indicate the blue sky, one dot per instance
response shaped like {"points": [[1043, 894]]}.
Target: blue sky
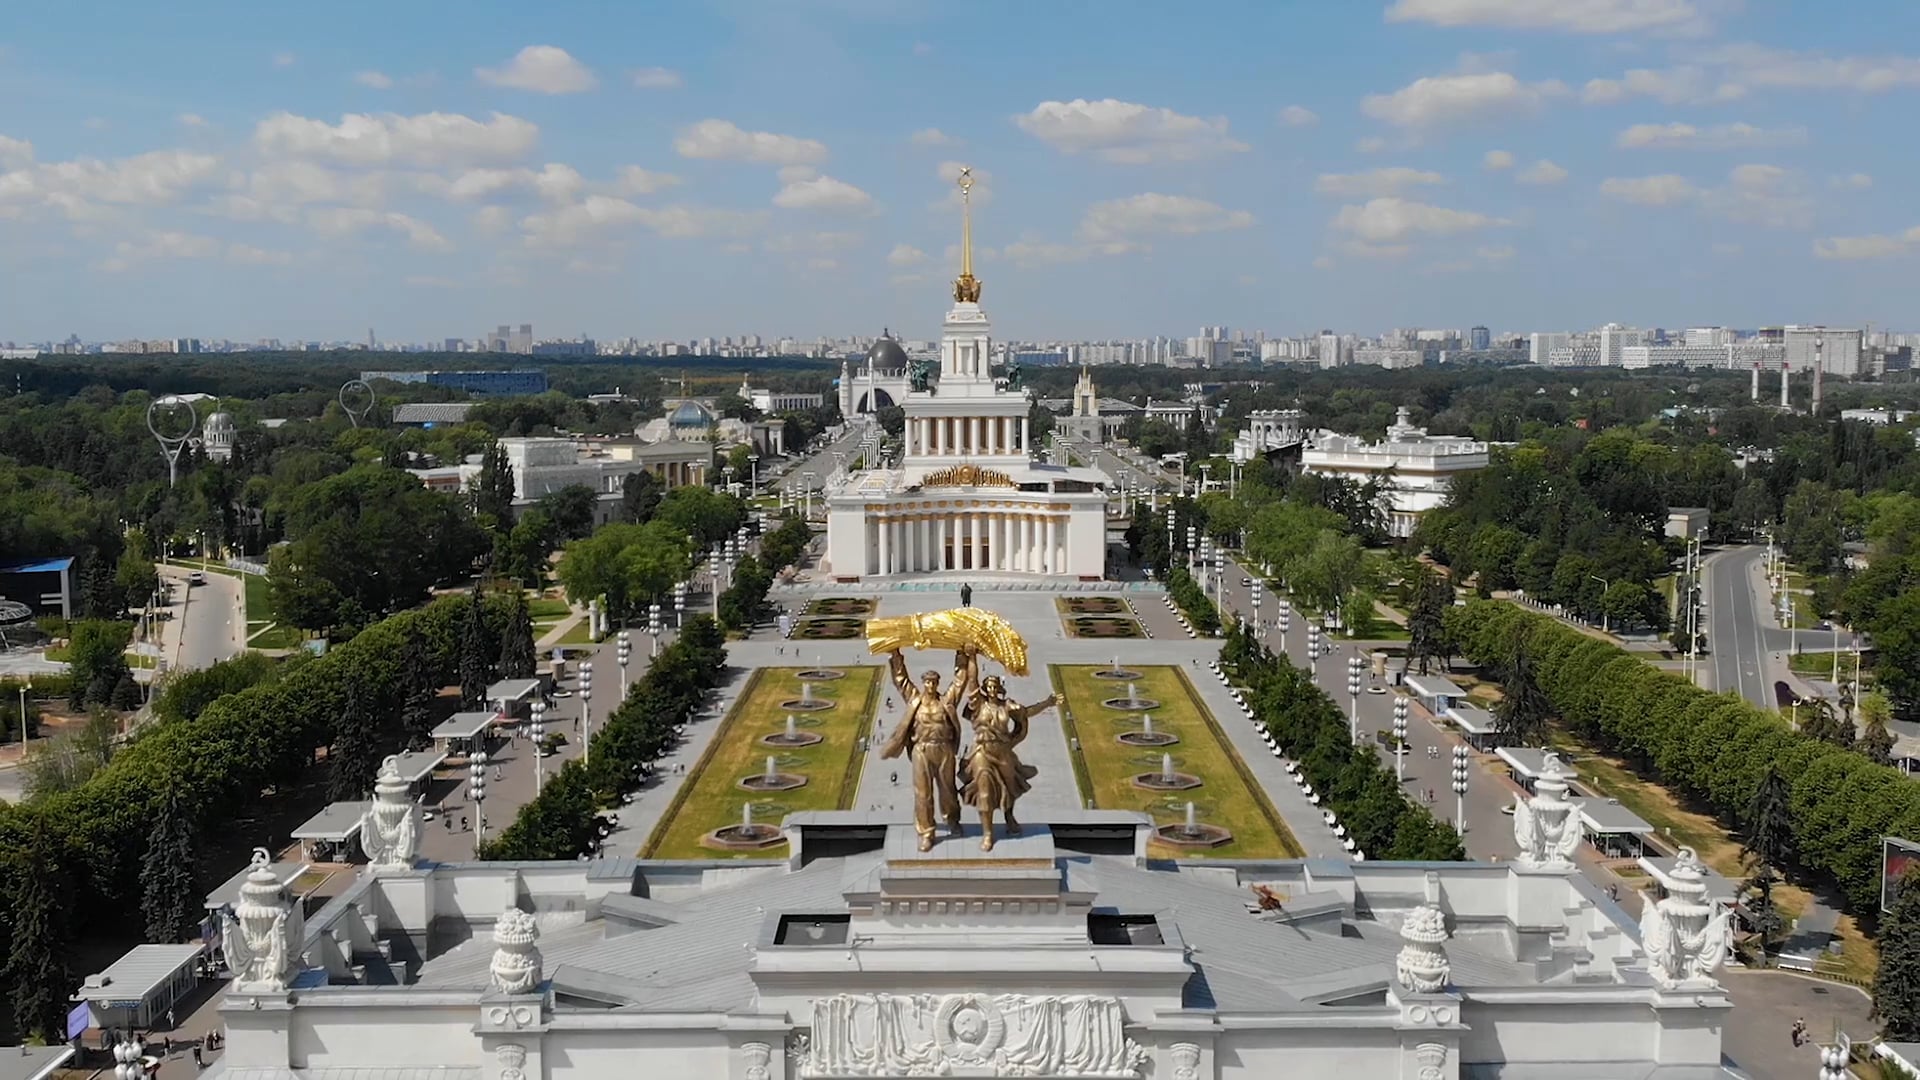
{"points": [[673, 170]]}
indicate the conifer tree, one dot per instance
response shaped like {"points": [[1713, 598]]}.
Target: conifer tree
{"points": [[516, 645], [36, 971], [166, 873], [1896, 986], [477, 653]]}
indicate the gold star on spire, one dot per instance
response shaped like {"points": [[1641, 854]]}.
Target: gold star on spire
{"points": [[966, 287]]}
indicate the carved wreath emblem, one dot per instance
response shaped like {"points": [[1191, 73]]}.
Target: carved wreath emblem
{"points": [[969, 1027]]}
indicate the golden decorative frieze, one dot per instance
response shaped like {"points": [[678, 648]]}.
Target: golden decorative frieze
{"points": [[967, 475]]}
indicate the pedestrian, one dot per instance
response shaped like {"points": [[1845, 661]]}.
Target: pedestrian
{"points": [[166, 1044], [170, 1021], [448, 822], [199, 1058], [463, 823]]}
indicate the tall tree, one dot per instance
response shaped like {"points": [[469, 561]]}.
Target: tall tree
{"points": [[420, 685], [1767, 847], [1524, 709], [1426, 634], [1875, 740], [640, 495], [1820, 720], [516, 644], [36, 969], [356, 744], [1896, 985], [493, 489], [477, 652], [167, 896]]}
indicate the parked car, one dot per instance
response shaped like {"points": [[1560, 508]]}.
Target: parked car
{"points": [[196, 578]]}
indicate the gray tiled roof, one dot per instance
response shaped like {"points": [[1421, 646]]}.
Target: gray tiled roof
{"points": [[432, 412], [31, 1062], [144, 969]]}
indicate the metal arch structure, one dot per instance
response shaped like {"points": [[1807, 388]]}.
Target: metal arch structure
{"points": [[350, 393], [12, 613], [171, 442]]}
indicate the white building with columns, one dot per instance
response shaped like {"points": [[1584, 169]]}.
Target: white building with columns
{"points": [[967, 496], [1065, 952], [1419, 466]]}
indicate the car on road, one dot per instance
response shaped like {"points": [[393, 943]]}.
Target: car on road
{"points": [[196, 578], [1246, 583], [1376, 688], [561, 692]]}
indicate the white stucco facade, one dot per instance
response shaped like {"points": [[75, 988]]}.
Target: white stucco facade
{"points": [[1065, 952], [967, 496], [1422, 466]]}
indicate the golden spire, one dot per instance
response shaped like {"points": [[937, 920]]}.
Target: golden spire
{"points": [[966, 287]]}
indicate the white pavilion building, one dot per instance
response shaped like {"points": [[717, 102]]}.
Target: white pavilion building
{"points": [[967, 495]]}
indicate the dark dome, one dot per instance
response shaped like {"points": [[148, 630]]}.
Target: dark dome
{"points": [[887, 355]]}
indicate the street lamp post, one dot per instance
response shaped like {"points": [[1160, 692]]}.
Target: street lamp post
{"points": [[538, 729], [1354, 667], [1400, 738], [679, 604], [1193, 540], [477, 791], [586, 710], [1257, 628], [653, 628], [753, 469], [24, 687], [1313, 652], [1286, 622], [1460, 773], [1604, 586], [623, 652]]}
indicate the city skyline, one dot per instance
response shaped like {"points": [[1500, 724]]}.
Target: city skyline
{"points": [[1416, 163]]}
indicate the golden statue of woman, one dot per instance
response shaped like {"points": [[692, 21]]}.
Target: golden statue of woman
{"points": [[992, 777]]}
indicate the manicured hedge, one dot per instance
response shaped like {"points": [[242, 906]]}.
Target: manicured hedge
{"points": [[1193, 600], [1711, 748], [1352, 781]]}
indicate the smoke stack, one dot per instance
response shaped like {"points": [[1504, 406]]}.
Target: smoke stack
{"points": [[1819, 367], [1754, 393], [1785, 370]]}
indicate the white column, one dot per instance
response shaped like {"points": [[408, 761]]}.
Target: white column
{"points": [[942, 534], [997, 557], [1026, 445], [974, 535], [976, 435], [1028, 561], [933, 433], [885, 529], [1053, 549]]}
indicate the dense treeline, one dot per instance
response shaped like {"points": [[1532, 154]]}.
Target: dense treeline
{"points": [[83, 848], [1710, 748], [562, 822], [1351, 779]]}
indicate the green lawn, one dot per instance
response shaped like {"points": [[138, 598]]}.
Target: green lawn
{"points": [[580, 634], [551, 608], [1104, 767], [278, 636], [60, 655], [710, 798]]}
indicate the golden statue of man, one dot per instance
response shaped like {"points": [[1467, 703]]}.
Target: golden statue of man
{"points": [[992, 778], [929, 734]]}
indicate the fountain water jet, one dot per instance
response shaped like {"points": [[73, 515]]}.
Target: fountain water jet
{"points": [[773, 779], [792, 736], [1191, 832], [747, 836], [1166, 778]]}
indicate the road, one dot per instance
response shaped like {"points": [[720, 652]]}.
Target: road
{"points": [[210, 620], [1746, 646]]}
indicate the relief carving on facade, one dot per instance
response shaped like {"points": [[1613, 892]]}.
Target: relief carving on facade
{"points": [[759, 1058], [1186, 1061], [975, 1035], [513, 1061], [1432, 1059]]}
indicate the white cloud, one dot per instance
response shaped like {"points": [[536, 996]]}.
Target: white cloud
{"points": [[1360, 249], [1663, 190], [1571, 16], [1856, 182], [351, 221], [1374, 182], [1499, 253], [634, 180], [1762, 195], [721, 140], [905, 255], [1390, 220], [1298, 116], [655, 78], [276, 190], [1859, 247], [1541, 172], [492, 219], [813, 243], [433, 140], [554, 182], [543, 69], [1441, 100], [15, 153], [931, 137], [1749, 65], [163, 245], [249, 255], [191, 120], [1497, 159], [1372, 144], [1125, 132], [373, 80], [1684, 85], [594, 218], [1118, 219], [156, 178], [822, 193], [283, 59], [793, 174], [1678, 136], [1322, 263]]}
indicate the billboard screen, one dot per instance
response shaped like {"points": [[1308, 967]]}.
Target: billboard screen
{"points": [[1896, 857]]}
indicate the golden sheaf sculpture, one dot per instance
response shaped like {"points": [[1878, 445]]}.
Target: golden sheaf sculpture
{"points": [[967, 475], [954, 628]]}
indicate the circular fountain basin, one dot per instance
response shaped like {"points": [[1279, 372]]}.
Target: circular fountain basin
{"points": [[1122, 674], [743, 837], [1147, 738], [819, 674], [780, 781], [1160, 780], [1198, 835], [798, 738], [806, 705], [1131, 704]]}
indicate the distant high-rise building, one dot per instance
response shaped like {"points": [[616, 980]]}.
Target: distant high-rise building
{"points": [[1330, 355], [1838, 350], [1479, 338], [1613, 338]]}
